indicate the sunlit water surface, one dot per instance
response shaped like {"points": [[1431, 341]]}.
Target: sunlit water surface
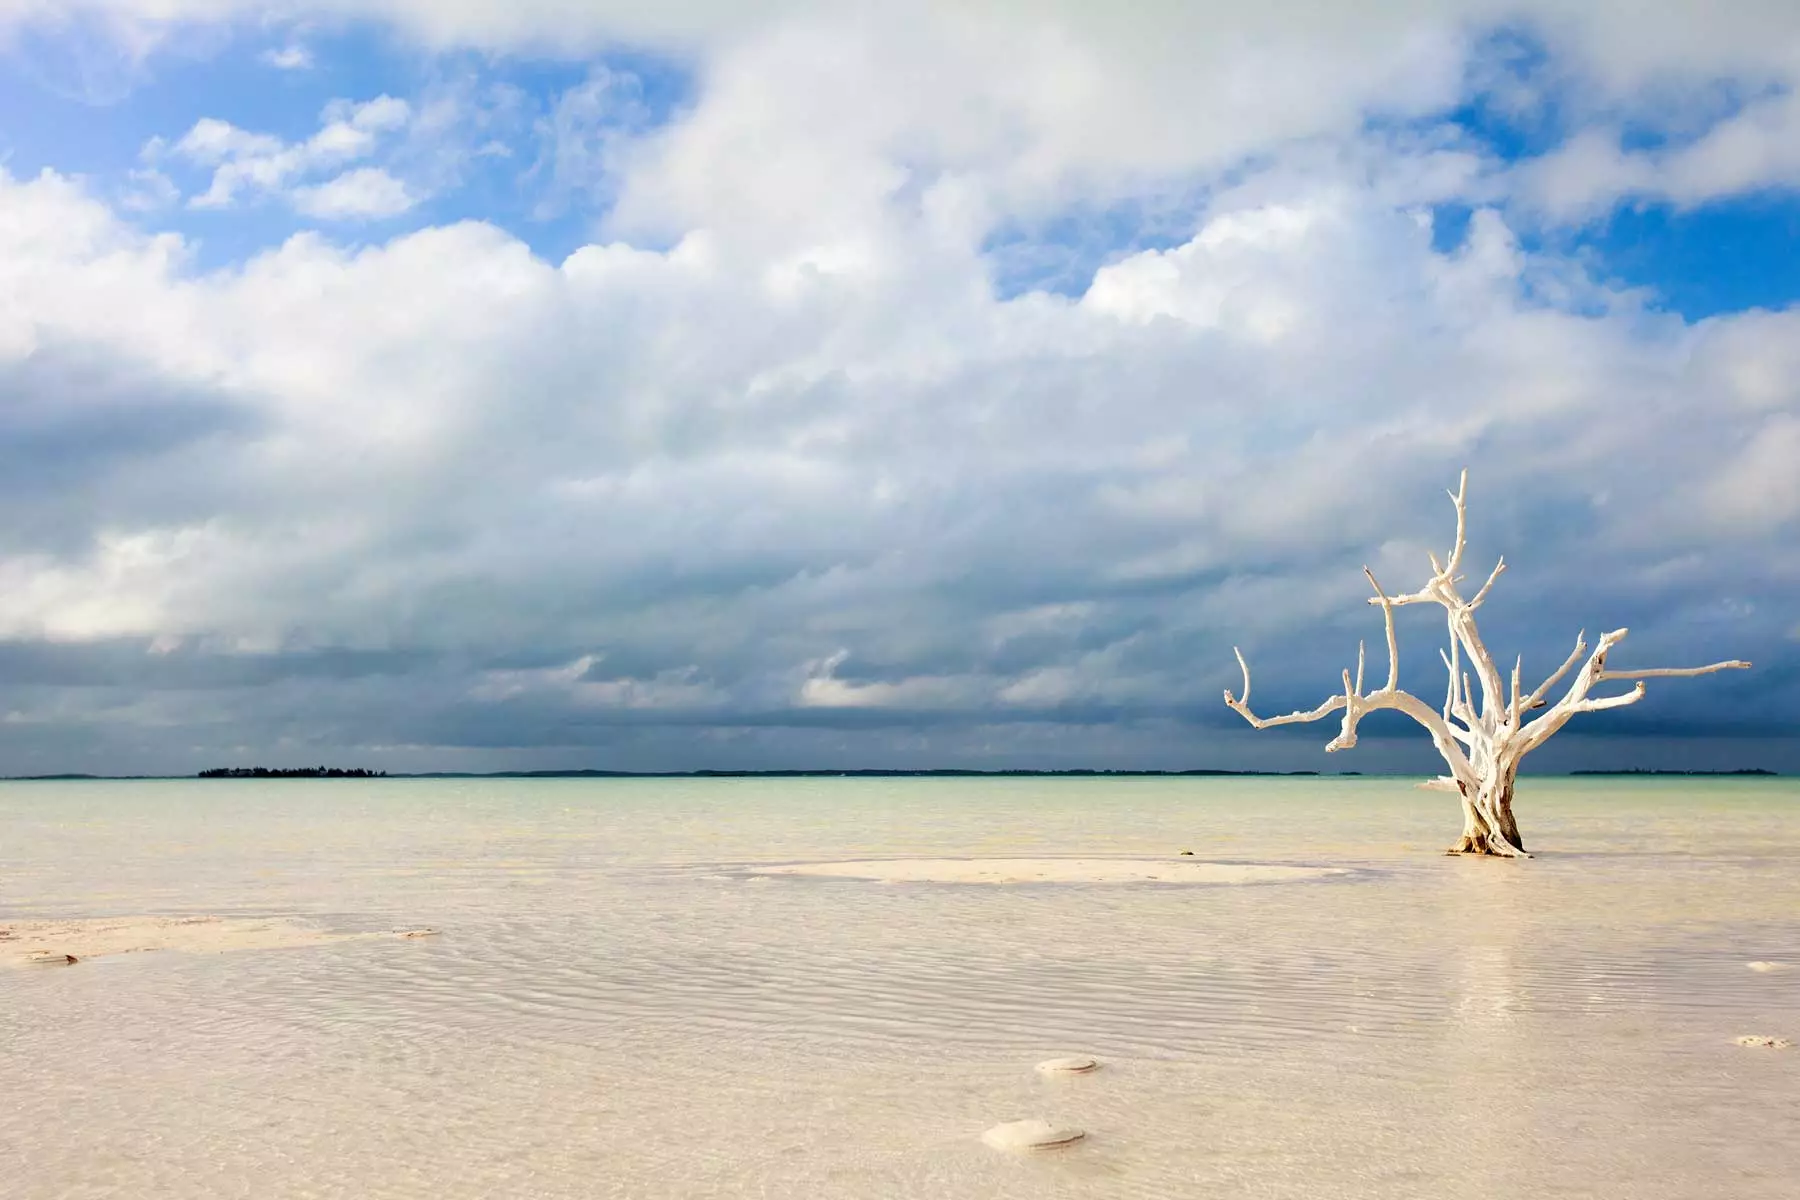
{"points": [[616, 1009]]}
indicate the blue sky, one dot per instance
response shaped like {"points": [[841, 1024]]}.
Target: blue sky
{"points": [[1727, 254], [662, 387]]}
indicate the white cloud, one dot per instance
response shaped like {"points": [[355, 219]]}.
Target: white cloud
{"points": [[148, 190], [586, 135], [447, 409], [244, 161], [363, 192], [383, 113], [781, 413], [212, 141], [1758, 488], [1756, 148], [292, 57]]}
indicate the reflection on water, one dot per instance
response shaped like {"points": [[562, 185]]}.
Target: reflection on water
{"points": [[616, 1009]]}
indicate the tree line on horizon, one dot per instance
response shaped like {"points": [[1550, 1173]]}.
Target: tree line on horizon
{"points": [[291, 773]]}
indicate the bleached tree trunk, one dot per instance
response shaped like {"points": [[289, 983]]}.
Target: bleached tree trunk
{"points": [[1484, 729], [1488, 824]]}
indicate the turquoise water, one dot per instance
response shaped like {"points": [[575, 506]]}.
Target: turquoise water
{"points": [[617, 1008]]}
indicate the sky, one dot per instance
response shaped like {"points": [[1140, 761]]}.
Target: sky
{"points": [[554, 384]]}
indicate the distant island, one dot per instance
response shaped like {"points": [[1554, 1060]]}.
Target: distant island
{"points": [[291, 773]]}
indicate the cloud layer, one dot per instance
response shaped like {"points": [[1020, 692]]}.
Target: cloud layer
{"points": [[775, 472]]}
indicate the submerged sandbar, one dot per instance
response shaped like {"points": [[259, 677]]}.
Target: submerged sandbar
{"points": [[27, 942], [1050, 870]]}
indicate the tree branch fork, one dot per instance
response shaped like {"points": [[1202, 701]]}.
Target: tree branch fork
{"points": [[1484, 726]]}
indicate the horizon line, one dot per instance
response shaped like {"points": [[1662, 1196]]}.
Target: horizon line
{"points": [[833, 773]]}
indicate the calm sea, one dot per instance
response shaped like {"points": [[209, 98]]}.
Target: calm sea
{"points": [[616, 1008]]}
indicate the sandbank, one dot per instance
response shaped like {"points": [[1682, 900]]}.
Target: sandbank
{"points": [[1033, 1134], [25, 943], [1050, 870]]}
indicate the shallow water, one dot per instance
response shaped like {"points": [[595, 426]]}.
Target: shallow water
{"points": [[617, 1008]]}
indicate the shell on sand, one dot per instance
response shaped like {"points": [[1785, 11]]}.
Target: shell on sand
{"points": [[1078, 1064], [1768, 966], [1034, 1134], [1772, 1043]]}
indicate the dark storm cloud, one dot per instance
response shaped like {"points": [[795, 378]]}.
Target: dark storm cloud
{"points": [[773, 469]]}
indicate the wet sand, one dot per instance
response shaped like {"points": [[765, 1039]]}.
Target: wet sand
{"points": [[64, 942], [619, 1008], [1051, 870]]}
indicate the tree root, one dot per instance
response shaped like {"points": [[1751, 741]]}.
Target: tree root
{"points": [[1487, 846]]}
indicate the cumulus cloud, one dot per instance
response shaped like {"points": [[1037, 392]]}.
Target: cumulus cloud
{"points": [[363, 192], [245, 161], [775, 474]]}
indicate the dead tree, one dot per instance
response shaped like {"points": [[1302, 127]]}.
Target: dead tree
{"points": [[1482, 745]]}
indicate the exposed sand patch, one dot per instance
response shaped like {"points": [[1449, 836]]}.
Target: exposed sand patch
{"points": [[25, 943], [1764, 1041], [1050, 870], [1768, 966], [1034, 1134], [1079, 1064]]}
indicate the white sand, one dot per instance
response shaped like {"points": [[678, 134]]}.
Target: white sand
{"points": [[1079, 1064], [1049, 870], [1034, 1134], [23, 943]]}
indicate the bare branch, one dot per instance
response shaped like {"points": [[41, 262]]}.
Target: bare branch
{"points": [[1387, 612], [1460, 499], [1242, 707], [1359, 667], [1543, 690], [1605, 702], [1674, 672], [1573, 700], [1443, 735], [1293, 718], [1512, 711], [1456, 702], [1499, 570]]}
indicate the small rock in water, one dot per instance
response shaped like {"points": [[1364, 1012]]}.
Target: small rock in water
{"points": [[1768, 966], [1079, 1064], [1034, 1134], [1189, 853], [411, 933], [51, 957], [1771, 1043]]}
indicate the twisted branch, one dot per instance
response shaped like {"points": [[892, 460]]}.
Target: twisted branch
{"points": [[1482, 748]]}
